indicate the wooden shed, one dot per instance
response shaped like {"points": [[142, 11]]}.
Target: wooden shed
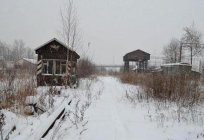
{"points": [[56, 63], [140, 57]]}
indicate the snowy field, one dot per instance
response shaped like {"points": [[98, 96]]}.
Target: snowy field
{"points": [[101, 111]]}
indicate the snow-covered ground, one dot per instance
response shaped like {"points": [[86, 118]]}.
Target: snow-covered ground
{"points": [[109, 115], [113, 118]]}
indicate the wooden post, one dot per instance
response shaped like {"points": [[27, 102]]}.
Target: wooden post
{"points": [[126, 66], [191, 55]]}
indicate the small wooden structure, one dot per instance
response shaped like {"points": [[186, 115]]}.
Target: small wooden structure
{"points": [[26, 65], [56, 63], [140, 57]]}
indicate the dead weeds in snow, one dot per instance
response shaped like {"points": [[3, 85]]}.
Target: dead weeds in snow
{"points": [[14, 90], [176, 97]]}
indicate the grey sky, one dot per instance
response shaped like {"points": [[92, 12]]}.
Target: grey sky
{"points": [[114, 27]]}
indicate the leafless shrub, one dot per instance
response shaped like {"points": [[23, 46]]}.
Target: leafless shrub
{"points": [[85, 68], [46, 99], [51, 92], [77, 115], [88, 92], [74, 116]]}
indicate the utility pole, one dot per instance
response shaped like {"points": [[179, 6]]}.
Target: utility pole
{"points": [[180, 51], [191, 49], [192, 54]]}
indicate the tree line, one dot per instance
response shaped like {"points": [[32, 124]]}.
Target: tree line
{"points": [[15, 51]]}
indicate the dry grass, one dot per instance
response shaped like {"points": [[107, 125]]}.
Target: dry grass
{"points": [[16, 100], [182, 89], [176, 97], [15, 89]]}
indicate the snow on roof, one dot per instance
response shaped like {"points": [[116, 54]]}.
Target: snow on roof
{"points": [[54, 39], [33, 61], [175, 64]]}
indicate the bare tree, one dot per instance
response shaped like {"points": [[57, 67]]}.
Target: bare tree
{"points": [[70, 32], [18, 49], [192, 39], [15, 51], [5, 51], [171, 51]]}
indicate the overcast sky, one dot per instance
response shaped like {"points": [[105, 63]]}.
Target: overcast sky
{"points": [[114, 27]]}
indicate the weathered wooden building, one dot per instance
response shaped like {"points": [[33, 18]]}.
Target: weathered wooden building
{"points": [[56, 63], [140, 57]]}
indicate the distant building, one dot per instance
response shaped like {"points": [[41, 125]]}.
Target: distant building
{"points": [[5, 65], [26, 64], [139, 57], [178, 69], [9, 65], [52, 65]]}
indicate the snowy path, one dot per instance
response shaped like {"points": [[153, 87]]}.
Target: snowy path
{"points": [[104, 121], [111, 119]]}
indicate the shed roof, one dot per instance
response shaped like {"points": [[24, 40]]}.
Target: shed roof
{"points": [[138, 50], [136, 56], [58, 41], [54, 39]]}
